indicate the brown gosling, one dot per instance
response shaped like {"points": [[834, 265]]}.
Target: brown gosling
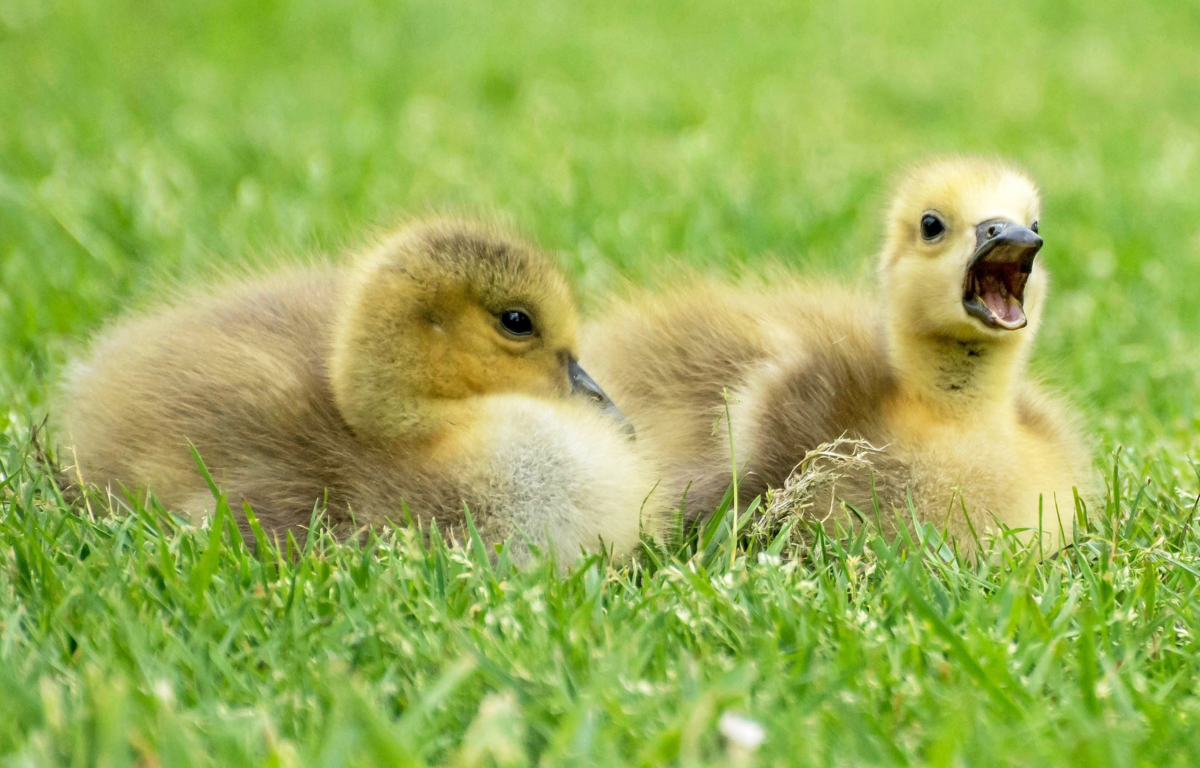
{"points": [[930, 369], [439, 370]]}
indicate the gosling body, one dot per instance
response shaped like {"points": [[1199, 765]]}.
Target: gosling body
{"points": [[928, 370], [364, 389]]}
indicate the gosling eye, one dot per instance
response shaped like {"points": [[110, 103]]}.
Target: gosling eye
{"points": [[1033, 226], [932, 227], [516, 322]]}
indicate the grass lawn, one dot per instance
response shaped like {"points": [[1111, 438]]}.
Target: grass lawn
{"points": [[146, 143]]}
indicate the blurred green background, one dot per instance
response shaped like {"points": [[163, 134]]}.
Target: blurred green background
{"points": [[148, 139], [146, 143]]}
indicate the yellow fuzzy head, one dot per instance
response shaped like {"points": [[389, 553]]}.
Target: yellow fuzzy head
{"points": [[959, 257], [445, 311]]}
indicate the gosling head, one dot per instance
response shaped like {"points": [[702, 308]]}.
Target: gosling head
{"points": [[442, 312], [959, 260]]}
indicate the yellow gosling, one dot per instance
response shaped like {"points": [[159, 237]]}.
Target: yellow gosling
{"points": [[930, 368], [438, 370]]}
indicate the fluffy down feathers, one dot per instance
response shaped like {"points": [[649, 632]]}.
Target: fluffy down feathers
{"points": [[244, 373], [905, 368]]}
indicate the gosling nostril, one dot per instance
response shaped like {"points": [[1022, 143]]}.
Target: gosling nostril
{"points": [[993, 230]]}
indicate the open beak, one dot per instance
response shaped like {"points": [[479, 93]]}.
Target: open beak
{"points": [[994, 289], [582, 384]]}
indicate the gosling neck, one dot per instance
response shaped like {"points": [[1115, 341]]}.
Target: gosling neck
{"points": [[394, 422], [955, 376], [376, 391]]}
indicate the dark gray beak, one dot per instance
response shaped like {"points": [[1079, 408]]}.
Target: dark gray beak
{"points": [[994, 289], [582, 384], [1000, 240]]}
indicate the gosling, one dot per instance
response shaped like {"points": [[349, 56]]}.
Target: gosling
{"points": [[929, 370], [439, 371]]}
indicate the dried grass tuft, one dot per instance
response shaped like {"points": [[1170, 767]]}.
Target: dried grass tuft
{"points": [[811, 490]]}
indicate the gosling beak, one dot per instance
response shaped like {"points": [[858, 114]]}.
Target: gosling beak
{"points": [[997, 272], [582, 384]]}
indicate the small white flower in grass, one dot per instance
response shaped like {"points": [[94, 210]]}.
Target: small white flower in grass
{"points": [[742, 731], [164, 692]]}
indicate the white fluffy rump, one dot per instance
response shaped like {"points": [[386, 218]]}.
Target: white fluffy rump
{"points": [[564, 475]]}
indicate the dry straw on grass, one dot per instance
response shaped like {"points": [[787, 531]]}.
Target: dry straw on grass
{"points": [[811, 491]]}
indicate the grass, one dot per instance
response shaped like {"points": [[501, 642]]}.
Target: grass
{"points": [[143, 143]]}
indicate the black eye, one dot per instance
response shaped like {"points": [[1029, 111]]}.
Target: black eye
{"points": [[516, 322], [1033, 226], [932, 227]]}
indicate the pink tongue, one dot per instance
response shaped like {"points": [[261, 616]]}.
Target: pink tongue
{"points": [[1004, 307]]}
